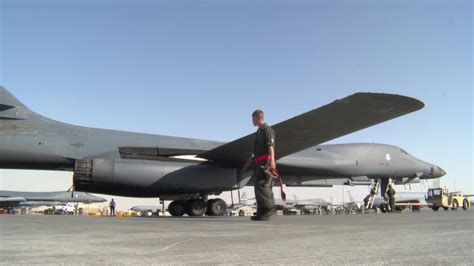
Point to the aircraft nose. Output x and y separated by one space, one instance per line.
96 198
438 172
99 199
442 172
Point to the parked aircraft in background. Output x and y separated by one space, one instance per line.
147 210
302 204
11 199
188 170
403 200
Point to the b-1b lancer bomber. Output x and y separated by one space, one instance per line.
187 171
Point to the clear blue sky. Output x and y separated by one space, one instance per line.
199 68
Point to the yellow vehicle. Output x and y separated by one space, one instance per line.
126 214
440 197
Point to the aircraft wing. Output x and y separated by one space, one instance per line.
339 118
12 199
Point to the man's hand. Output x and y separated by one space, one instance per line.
271 163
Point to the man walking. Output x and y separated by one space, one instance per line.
263 158
112 207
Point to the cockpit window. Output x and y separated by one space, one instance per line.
403 151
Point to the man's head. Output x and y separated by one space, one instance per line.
258 118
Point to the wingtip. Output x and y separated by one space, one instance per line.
414 103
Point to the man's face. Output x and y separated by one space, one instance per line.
255 120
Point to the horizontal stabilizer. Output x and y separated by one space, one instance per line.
344 116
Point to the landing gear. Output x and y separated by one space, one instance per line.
387 191
197 207
177 208
216 207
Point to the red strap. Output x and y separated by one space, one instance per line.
275 172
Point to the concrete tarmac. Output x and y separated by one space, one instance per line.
422 238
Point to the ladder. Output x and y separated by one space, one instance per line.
374 191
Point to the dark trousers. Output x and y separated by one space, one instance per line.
263 191
391 202
112 211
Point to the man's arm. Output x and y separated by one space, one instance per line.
271 161
270 142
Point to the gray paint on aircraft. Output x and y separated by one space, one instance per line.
144 165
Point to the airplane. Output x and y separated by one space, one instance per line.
412 200
12 199
145 210
305 205
243 206
187 170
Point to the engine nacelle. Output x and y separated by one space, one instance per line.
146 178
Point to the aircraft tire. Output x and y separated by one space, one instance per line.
455 204
445 208
177 208
208 210
465 204
435 208
196 207
216 207
383 208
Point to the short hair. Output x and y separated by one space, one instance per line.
257 113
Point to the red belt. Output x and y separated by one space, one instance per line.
262 158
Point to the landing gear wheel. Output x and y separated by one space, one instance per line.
445 208
196 207
435 208
383 208
465 204
455 204
216 207
177 208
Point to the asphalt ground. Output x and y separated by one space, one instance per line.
422 238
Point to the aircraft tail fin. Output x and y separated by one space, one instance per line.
11 108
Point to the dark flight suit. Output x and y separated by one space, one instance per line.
264 137
391 198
